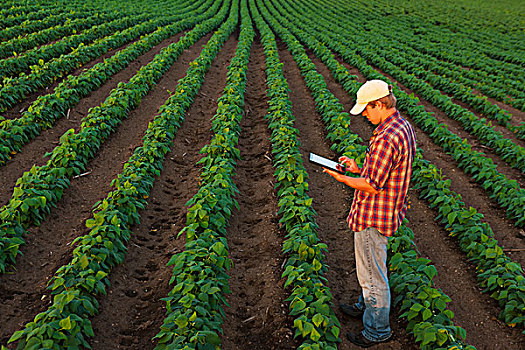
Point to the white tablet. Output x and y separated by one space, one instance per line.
325 162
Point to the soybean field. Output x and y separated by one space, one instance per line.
156 191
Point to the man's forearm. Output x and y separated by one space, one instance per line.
359 183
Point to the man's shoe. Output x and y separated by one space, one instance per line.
351 310
360 340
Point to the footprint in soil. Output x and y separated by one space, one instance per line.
148 294
127 340
131 293
252 221
151 266
140 275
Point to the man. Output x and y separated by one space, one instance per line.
379 205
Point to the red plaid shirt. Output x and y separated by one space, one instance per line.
387 168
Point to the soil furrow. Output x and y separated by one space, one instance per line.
258 315
48 246
331 201
33 152
133 311
475 312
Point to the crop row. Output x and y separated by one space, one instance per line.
195 303
66 323
13 66
56 20
476 238
423 306
505 192
506 48
22 43
41 187
47 109
511 153
311 300
16 89
497 86
16 15
497 273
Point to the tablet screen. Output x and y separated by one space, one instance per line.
325 162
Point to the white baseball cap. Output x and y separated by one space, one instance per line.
370 91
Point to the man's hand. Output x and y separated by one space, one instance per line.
339 177
359 183
350 164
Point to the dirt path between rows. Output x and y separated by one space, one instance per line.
133 312
258 314
23 293
475 311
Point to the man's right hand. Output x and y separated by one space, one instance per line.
350 164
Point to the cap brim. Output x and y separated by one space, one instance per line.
358 108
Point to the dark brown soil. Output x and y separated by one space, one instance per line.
257 315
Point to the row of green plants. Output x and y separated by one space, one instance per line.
13 66
422 305
404 32
504 48
497 273
41 115
41 75
76 285
28 27
18 14
23 11
23 61
37 191
505 192
509 151
310 300
194 305
9 8
22 43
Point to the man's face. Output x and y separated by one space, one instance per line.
373 114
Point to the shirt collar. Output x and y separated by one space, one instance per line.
386 122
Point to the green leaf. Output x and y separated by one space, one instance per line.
65 323
181 321
17 335
83 261
318 319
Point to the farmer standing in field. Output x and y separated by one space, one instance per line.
379 205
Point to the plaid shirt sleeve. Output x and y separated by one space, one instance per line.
377 169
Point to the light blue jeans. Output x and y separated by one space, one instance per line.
372 273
